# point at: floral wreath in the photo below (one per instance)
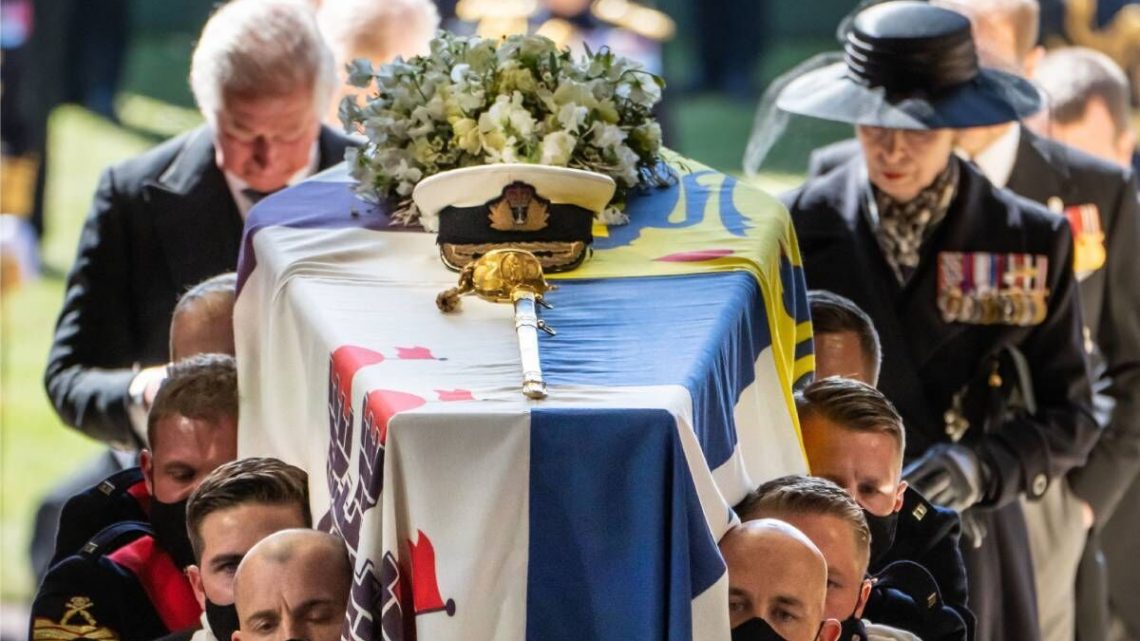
(476, 101)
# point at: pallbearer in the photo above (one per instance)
(971, 288)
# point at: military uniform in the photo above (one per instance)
(905, 596)
(996, 272)
(120, 586)
(928, 535)
(1100, 202)
(120, 497)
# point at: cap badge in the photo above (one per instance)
(519, 208)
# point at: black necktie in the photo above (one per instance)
(255, 196)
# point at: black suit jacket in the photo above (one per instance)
(927, 360)
(1110, 299)
(160, 223)
(1045, 170)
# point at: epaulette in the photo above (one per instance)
(120, 497)
(114, 537)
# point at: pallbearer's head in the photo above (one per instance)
(833, 521)
(293, 584)
(777, 581)
(846, 343)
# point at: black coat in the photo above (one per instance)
(927, 360)
(1050, 173)
(159, 224)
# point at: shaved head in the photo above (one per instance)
(293, 584)
(777, 574)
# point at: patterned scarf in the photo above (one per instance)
(904, 226)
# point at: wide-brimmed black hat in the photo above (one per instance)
(910, 65)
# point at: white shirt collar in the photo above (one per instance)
(204, 633)
(996, 161)
(237, 185)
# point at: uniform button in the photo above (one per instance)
(1040, 484)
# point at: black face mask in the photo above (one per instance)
(882, 535)
(851, 629)
(223, 620)
(755, 629)
(169, 523)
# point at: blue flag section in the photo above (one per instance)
(601, 566)
(704, 332)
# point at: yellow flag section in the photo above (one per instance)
(711, 222)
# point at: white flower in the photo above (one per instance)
(507, 115)
(640, 88)
(360, 73)
(626, 171)
(517, 99)
(557, 147)
(459, 72)
(574, 92)
(467, 137)
(606, 136)
(572, 116)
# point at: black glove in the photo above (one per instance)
(948, 474)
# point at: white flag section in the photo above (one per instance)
(474, 513)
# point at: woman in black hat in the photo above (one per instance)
(970, 287)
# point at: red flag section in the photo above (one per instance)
(425, 585)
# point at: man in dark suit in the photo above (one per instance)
(173, 216)
(968, 285)
(1089, 110)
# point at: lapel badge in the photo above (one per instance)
(519, 209)
(919, 512)
(1088, 239)
(982, 288)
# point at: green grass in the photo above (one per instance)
(36, 450)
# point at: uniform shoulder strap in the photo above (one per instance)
(114, 537)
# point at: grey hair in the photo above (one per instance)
(378, 30)
(261, 48)
(1074, 76)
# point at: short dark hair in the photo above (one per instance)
(798, 494)
(203, 386)
(224, 285)
(835, 314)
(852, 405)
(1074, 76)
(264, 481)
